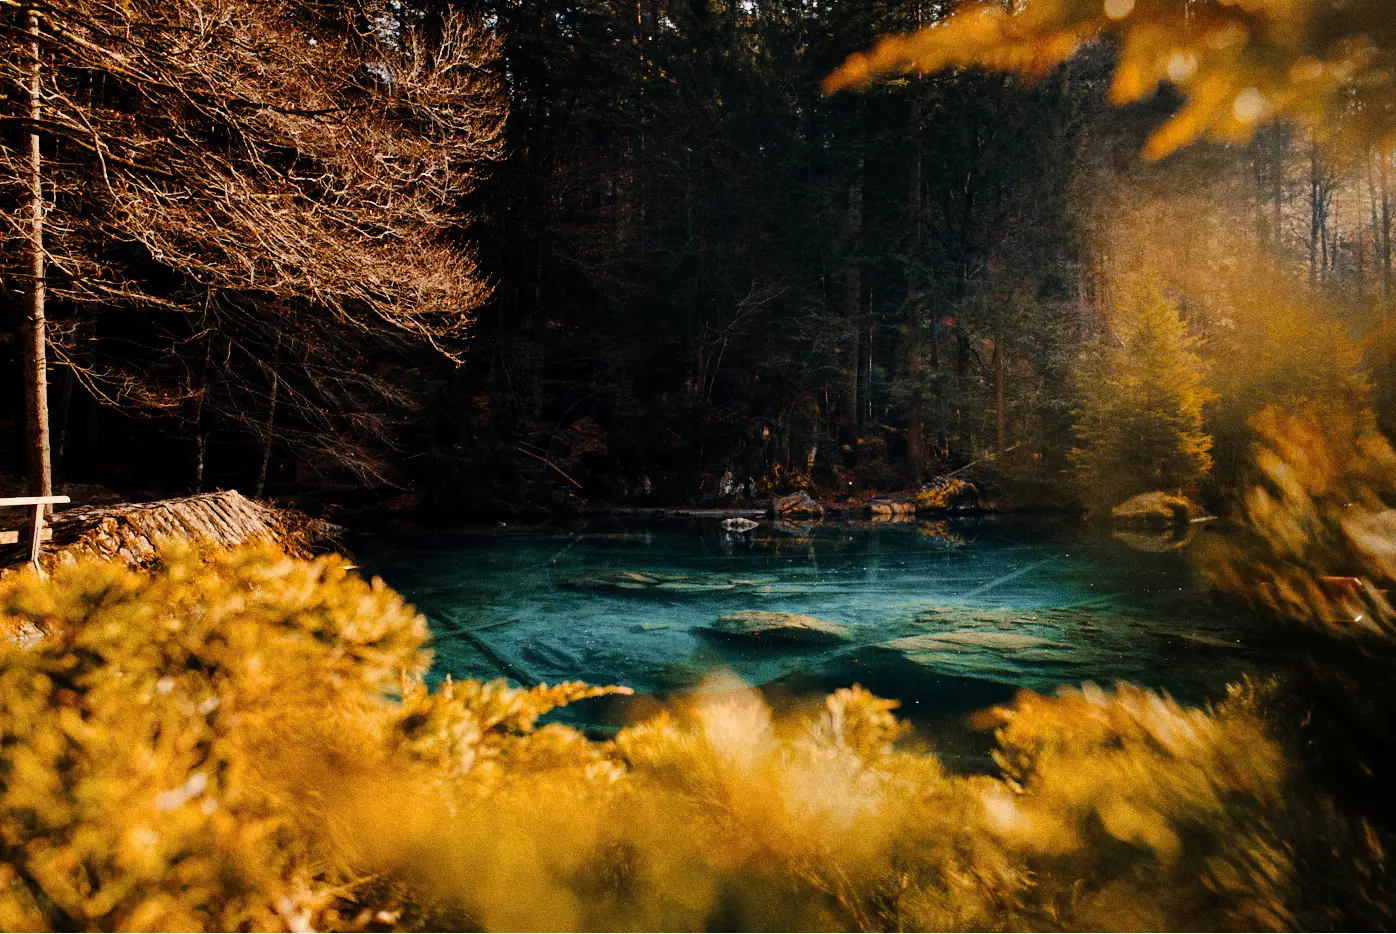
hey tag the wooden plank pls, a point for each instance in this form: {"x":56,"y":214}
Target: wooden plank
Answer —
{"x":32,"y":500}
{"x":11,"y":536}
{"x":36,"y":533}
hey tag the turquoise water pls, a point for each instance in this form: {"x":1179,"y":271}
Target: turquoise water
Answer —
{"x":999,"y":605}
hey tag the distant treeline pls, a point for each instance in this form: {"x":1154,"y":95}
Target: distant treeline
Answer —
{"x":691,"y":263}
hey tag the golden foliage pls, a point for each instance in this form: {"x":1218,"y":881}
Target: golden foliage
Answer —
{"x":950,"y":494}
{"x":142,"y":733}
{"x":1141,"y":396}
{"x":1271,"y":336}
{"x":1239,"y":63}
{"x":1320,"y":547}
{"x":245,"y":742}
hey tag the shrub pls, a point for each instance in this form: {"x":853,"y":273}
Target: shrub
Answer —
{"x":245,"y":741}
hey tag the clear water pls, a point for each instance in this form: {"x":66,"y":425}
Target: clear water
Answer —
{"x":625,"y":602}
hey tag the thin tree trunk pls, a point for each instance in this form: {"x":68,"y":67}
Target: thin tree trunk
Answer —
{"x":853,"y":295}
{"x":271,"y":422}
{"x":196,"y":482}
{"x":1376,"y":223}
{"x":1315,"y":213}
{"x":1385,"y":230}
{"x":916,"y":361}
{"x":962,"y":354}
{"x":868,"y":380}
{"x":65,"y":403}
{"x":856,"y":358}
{"x":35,"y":347}
{"x":916,"y":414}
{"x":1258,"y":173}
{"x":1000,"y":409}
{"x":1325,"y":255}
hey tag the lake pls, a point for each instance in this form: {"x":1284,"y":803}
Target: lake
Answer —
{"x":945,"y":616}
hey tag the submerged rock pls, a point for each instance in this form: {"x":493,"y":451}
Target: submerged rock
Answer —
{"x":796,"y":506}
{"x":656,"y":584}
{"x":962,"y":640}
{"x":1010,"y":657}
{"x":739,"y":524}
{"x":1156,"y":508}
{"x":779,"y":627}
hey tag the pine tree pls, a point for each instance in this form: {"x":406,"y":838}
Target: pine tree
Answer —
{"x":1141,"y":401}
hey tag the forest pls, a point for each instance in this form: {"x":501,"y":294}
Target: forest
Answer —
{"x":527,"y":257}
{"x":697,"y":465}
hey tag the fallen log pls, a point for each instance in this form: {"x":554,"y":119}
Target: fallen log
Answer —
{"x":890,"y":507}
{"x":135,"y":532}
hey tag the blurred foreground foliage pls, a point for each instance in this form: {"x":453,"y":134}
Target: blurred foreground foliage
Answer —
{"x":1319,"y":533}
{"x":246,"y":741}
{"x":1238,"y":63}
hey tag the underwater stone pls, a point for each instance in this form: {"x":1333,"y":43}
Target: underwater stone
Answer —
{"x":962,"y":640}
{"x":778,"y":627}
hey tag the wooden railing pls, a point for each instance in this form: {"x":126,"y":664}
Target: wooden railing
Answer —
{"x":36,"y":520}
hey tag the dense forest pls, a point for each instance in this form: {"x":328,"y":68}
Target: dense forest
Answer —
{"x":526,"y":255}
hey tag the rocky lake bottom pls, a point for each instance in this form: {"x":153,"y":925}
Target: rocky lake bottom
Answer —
{"x":947,"y":616}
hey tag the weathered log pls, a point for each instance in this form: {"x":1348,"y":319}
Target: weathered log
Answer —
{"x":135,"y":532}
{"x":888,"y":507}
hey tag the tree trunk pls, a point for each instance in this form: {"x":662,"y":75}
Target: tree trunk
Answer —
{"x":65,"y":404}
{"x":868,"y":376}
{"x":916,"y":421}
{"x":853,"y":294}
{"x":196,"y":482}
{"x":937,"y":393}
{"x":915,"y":341}
{"x":1258,"y":174}
{"x":1315,"y":213}
{"x":271,"y":422}
{"x":962,"y":355}
{"x":34,"y":342}
{"x":1385,"y":230}
{"x":1001,"y":415}
{"x":1372,"y":200}
{"x":855,"y":364}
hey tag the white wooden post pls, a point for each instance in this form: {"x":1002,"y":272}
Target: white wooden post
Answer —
{"x":36,"y":522}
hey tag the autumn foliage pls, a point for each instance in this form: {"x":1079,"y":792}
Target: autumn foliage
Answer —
{"x":1239,"y":63}
{"x":246,"y":741}
{"x":1142,"y":392}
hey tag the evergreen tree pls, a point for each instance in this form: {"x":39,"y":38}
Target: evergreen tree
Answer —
{"x":1141,"y":400}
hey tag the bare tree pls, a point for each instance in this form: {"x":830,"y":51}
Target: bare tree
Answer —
{"x":243,"y":170}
